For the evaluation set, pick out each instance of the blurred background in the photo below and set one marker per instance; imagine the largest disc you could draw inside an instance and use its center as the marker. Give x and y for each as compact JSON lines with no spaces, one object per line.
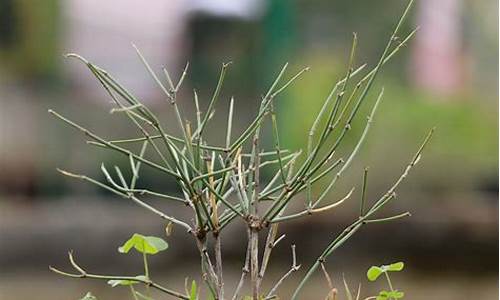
{"x":447,"y":77}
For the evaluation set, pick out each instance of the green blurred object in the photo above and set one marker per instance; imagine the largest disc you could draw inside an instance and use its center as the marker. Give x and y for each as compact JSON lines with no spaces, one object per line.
{"x":144,"y":244}
{"x":279,"y":26}
{"x":29,"y":39}
{"x":257,"y":47}
{"x":217,"y":40}
{"x":464,"y":150}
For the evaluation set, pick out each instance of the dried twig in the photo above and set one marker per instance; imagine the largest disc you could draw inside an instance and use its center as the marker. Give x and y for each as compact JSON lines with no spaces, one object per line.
{"x":293,"y":268}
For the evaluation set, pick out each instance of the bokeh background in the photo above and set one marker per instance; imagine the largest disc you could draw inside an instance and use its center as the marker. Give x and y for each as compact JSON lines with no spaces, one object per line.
{"x":445,"y":77}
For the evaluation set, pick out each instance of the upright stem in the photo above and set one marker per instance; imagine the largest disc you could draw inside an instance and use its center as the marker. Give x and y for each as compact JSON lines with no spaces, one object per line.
{"x":389,"y":282}
{"x":254,"y":262}
{"x":218,"y":266}
{"x":208,"y":273}
{"x":245,"y":269}
{"x":132,"y":290}
{"x":363,"y":193}
{"x":146,"y":267}
{"x":270,"y":243}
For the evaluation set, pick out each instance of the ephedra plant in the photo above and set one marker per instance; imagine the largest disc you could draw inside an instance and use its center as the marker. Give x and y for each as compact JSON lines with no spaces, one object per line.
{"x":223,"y":184}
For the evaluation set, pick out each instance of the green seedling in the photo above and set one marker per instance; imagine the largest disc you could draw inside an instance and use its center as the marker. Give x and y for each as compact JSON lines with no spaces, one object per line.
{"x":374,"y":273}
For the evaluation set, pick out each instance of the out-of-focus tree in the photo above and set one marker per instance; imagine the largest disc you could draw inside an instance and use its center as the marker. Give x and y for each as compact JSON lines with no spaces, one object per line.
{"x":29,"y":38}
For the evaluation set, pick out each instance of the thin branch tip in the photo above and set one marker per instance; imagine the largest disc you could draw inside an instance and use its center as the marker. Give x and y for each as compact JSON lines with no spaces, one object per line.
{"x":67,"y":173}
{"x":77,"y":56}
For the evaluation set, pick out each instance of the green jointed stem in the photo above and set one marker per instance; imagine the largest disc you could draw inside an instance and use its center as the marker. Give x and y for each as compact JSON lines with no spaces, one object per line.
{"x":211,"y":176}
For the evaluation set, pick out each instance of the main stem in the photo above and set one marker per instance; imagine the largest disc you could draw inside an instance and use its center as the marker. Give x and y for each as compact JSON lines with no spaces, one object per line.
{"x":218,"y":266}
{"x":146,"y":267}
{"x":254,"y":262}
{"x":389,"y":282}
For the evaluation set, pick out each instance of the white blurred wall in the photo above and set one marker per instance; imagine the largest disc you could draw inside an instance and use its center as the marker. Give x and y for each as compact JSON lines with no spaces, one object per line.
{"x":102,"y":31}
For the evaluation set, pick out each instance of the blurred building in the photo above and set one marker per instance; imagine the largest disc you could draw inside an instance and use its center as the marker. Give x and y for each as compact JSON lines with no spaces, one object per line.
{"x":438,"y":63}
{"x":172,"y":32}
{"x":103,"y":32}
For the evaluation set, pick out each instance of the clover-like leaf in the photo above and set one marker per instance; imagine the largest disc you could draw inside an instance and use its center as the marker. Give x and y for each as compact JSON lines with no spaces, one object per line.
{"x":144,"y":244}
{"x":374,"y":272}
{"x":117,"y":282}
{"x":396,"y":294}
{"x":395,"y":267}
{"x":89,"y":296}
{"x":384,"y":295}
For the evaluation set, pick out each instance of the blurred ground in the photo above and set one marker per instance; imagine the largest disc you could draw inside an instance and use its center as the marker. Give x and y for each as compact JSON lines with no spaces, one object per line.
{"x":452,"y":257}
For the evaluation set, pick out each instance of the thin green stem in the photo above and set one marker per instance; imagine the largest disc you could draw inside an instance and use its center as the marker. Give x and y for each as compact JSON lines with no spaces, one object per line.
{"x":266,"y":102}
{"x":199,"y":131}
{"x":229,"y":123}
{"x":132,"y":290}
{"x":389,"y":282}
{"x":113,"y":146}
{"x":356,"y":225}
{"x":399,"y":216}
{"x":363,"y":192}
{"x":128,"y":196}
{"x":146,"y":266}
{"x":84,"y":274}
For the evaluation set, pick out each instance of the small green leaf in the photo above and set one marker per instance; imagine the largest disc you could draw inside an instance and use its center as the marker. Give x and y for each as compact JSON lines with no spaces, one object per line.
{"x":144,"y":244}
{"x":158,"y":243}
{"x":117,"y":282}
{"x":383,"y":295}
{"x":398,"y":295}
{"x":192,"y":295}
{"x":89,"y":296}
{"x":374,"y":272}
{"x":396,"y":267}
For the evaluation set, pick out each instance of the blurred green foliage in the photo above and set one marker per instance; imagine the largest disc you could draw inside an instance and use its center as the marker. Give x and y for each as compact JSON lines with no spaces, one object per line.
{"x":31,"y":31}
{"x":463,"y":151}
{"x":315,"y":33}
